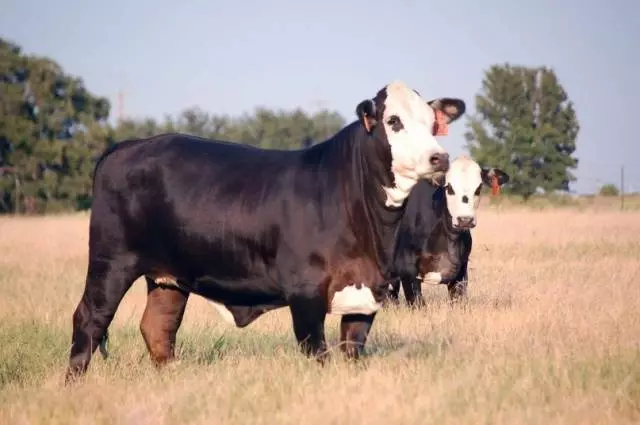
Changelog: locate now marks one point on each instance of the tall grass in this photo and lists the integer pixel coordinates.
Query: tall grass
(551, 335)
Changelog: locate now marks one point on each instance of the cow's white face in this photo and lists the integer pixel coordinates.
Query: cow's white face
(409, 126)
(463, 183)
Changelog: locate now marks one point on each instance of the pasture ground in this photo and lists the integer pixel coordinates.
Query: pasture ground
(550, 335)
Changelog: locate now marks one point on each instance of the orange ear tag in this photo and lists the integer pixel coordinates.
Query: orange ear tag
(495, 187)
(442, 128)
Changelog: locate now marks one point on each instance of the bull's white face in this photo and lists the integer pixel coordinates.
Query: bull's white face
(408, 122)
(463, 183)
(400, 117)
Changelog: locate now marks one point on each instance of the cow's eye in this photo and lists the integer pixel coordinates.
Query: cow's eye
(450, 191)
(394, 120)
(478, 190)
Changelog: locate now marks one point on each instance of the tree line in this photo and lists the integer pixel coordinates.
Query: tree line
(53, 128)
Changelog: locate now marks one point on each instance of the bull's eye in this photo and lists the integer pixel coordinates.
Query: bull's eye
(465, 199)
(395, 123)
(477, 193)
(450, 191)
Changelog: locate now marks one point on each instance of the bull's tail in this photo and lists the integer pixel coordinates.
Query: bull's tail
(104, 343)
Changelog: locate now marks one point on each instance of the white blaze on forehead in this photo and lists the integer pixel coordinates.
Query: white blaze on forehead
(352, 300)
(413, 145)
(465, 177)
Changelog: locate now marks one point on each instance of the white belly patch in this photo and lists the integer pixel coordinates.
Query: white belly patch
(223, 311)
(352, 300)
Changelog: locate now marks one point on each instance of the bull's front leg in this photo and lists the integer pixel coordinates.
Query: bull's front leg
(358, 305)
(354, 330)
(308, 312)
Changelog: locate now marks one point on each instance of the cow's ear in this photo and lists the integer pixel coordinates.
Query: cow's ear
(488, 174)
(451, 107)
(366, 112)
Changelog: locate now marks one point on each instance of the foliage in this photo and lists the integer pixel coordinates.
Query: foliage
(525, 125)
(51, 126)
(609, 190)
(52, 129)
(273, 129)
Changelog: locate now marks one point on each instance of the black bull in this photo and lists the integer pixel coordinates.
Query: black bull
(249, 228)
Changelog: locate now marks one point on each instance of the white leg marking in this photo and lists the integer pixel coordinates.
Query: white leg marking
(352, 300)
(224, 312)
(432, 278)
(166, 280)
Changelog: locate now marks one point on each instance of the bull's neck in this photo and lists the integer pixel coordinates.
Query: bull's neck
(373, 223)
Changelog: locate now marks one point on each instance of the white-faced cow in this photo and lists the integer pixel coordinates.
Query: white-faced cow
(434, 241)
(252, 230)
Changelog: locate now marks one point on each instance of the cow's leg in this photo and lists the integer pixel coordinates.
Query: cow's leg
(412, 288)
(161, 319)
(354, 329)
(457, 291)
(308, 314)
(458, 288)
(394, 291)
(108, 279)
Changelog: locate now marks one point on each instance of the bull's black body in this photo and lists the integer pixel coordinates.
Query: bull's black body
(249, 228)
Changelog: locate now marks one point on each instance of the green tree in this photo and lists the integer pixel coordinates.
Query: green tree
(51, 127)
(266, 128)
(526, 125)
(609, 190)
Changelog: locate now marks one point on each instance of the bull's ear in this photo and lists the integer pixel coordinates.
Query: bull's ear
(366, 112)
(451, 107)
(488, 175)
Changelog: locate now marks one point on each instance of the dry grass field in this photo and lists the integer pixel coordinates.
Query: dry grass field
(550, 335)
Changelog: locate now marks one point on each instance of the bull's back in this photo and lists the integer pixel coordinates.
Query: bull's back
(206, 207)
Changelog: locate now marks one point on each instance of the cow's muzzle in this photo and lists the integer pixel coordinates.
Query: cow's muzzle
(439, 162)
(464, 223)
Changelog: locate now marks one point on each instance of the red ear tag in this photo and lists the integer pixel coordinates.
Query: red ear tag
(441, 126)
(495, 187)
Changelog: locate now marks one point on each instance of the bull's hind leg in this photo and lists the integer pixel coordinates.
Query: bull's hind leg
(108, 279)
(161, 319)
(354, 330)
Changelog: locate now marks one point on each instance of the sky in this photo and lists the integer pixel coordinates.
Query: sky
(231, 56)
